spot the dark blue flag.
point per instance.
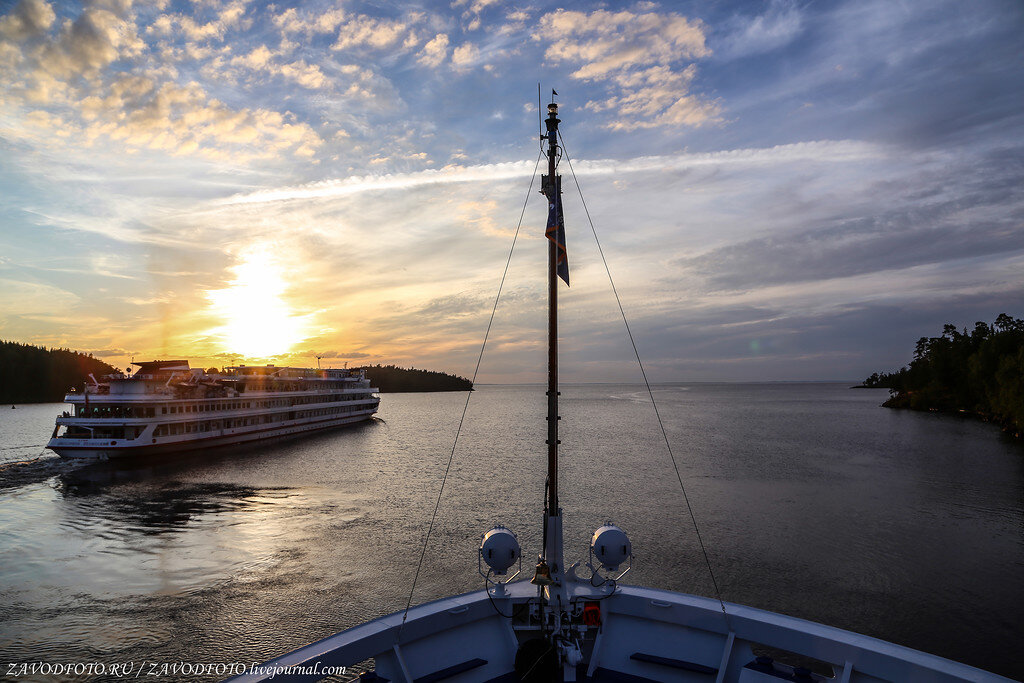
(556, 229)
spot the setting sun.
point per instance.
(257, 321)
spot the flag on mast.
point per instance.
(556, 229)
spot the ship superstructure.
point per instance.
(167, 406)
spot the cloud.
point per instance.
(881, 227)
(142, 113)
(609, 42)
(290, 21)
(74, 70)
(465, 55)
(333, 354)
(93, 40)
(638, 58)
(369, 32)
(435, 51)
(28, 18)
(257, 59)
(226, 16)
(263, 61)
(778, 26)
(827, 150)
(472, 15)
(307, 75)
(108, 353)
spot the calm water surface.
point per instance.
(813, 501)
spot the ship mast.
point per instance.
(551, 185)
(550, 567)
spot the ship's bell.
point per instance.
(542, 577)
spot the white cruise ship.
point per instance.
(166, 406)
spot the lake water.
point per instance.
(813, 501)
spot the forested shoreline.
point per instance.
(32, 374)
(980, 372)
(391, 378)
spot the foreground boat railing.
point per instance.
(650, 634)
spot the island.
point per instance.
(34, 374)
(391, 379)
(978, 372)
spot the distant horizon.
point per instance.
(207, 363)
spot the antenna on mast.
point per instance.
(540, 119)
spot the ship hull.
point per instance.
(640, 635)
(88, 450)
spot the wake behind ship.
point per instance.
(166, 406)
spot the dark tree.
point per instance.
(979, 372)
(390, 378)
(30, 374)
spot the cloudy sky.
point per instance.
(783, 189)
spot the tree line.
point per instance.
(979, 371)
(31, 374)
(391, 378)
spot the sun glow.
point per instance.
(258, 322)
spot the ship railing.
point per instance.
(646, 633)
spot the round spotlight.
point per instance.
(499, 549)
(611, 546)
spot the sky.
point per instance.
(783, 190)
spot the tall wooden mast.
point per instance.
(552, 187)
(550, 570)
